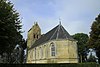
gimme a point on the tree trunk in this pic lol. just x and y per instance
(81, 58)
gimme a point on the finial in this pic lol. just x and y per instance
(59, 21)
(34, 23)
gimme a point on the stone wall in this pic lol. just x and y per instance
(66, 52)
(33, 34)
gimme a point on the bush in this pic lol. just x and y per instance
(52, 65)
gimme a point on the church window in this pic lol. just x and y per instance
(38, 53)
(46, 51)
(41, 52)
(37, 36)
(34, 35)
(53, 50)
(31, 55)
(35, 53)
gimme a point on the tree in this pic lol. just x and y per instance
(23, 46)
(82, 42)
(10, 28)
(18, 54)
(94, 40)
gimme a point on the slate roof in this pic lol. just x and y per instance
(57, 32)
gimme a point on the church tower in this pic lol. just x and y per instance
(33, 34)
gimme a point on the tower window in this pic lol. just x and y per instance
(34, 35)
(37, 36)
(53, 50)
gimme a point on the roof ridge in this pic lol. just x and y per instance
(53, 34)
(63, 31)
(58, 31)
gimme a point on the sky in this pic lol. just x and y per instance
(76, 16)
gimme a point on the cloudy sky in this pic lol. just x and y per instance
(76, 15)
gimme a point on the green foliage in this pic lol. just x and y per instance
(94, 40)
(53, 65)
(10, 27)
(82, 43)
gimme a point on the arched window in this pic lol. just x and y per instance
(34, 35)
(37, 36)
(41, 52)
(53, 49)
(35, 53)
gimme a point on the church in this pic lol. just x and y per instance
(55, 46)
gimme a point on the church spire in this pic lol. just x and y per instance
(59, 21)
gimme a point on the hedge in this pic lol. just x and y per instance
(52, 65)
